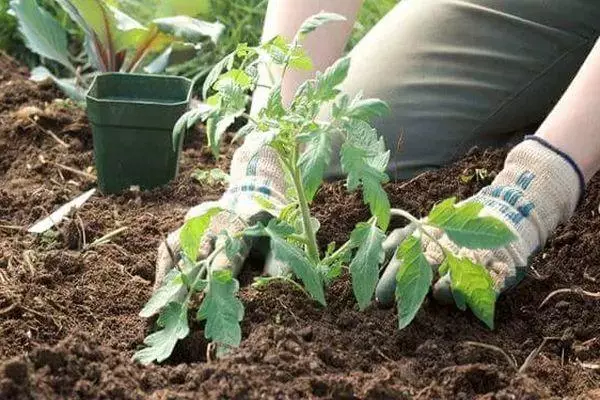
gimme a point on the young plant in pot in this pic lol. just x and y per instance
(303, 144)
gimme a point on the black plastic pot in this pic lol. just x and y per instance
(132, 118)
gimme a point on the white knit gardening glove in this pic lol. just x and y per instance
(252, 173)
(538, 188)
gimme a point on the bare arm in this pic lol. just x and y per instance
(574, 124)
(324, 45)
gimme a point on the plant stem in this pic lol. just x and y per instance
(311, 239)
(418, 224)
(299, 238)
(270, 279)
(250, 118)
(346, 246)
(260, 85)
(204, 270)
(199, 276)
(401, 213)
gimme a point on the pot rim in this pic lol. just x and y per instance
(146, 76)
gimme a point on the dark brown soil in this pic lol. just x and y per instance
(68, 316)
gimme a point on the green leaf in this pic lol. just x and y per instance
(314, 160)
(210, 176)
(365, 109)
(100, 25)
(362, 135)
(355, 163)
(67, 85)
(292, 256)
(189, 29)
(256, 230)
(464, 227)
(334, 271)
(364, 267)
(218, 175)
(214, 74)
(333, 76)
(42, 33)
(186, 121)
(193, 231)
(281, 52)
(274, 108)
(160, 344)
(168, 292)
(229, 103)
(299, 59)
(298, 224)
(279, 228)
(167, 8)
(238, 76)
(260, 282)
(215, 128)
(413, 280)
(472, 285)
(276, 227)
(201, 284)
(243, 50)
(214, 102)
(222, 311)
(459, 300)
(160, 63)
(268, 204)
(232, 246)
(317, 20)
(365, 159)
(123, 21)
(277, 49)
(233, 98)
(94, 56)
(340, 106)
(244, 131)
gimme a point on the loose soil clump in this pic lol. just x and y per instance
(68, 309)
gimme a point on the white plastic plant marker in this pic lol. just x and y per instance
(57, 216)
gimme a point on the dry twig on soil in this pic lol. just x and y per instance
(511, 361)
(106, 238)
(578, 291)
(535, 353)
(75, 171)
(50, 133)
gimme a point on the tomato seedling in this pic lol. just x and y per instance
(471, 283)
(303, 143)
(210, 177)
(220, 307)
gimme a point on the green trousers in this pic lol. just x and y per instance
(460, 73)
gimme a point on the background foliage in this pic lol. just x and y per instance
(243, 20)
(12, 43)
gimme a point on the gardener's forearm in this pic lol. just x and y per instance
(574, 124)
(324, 46)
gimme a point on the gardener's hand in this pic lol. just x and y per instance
(505, 268)
(537, 189)
(254, 172)
(225, 221)
(169, 250)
